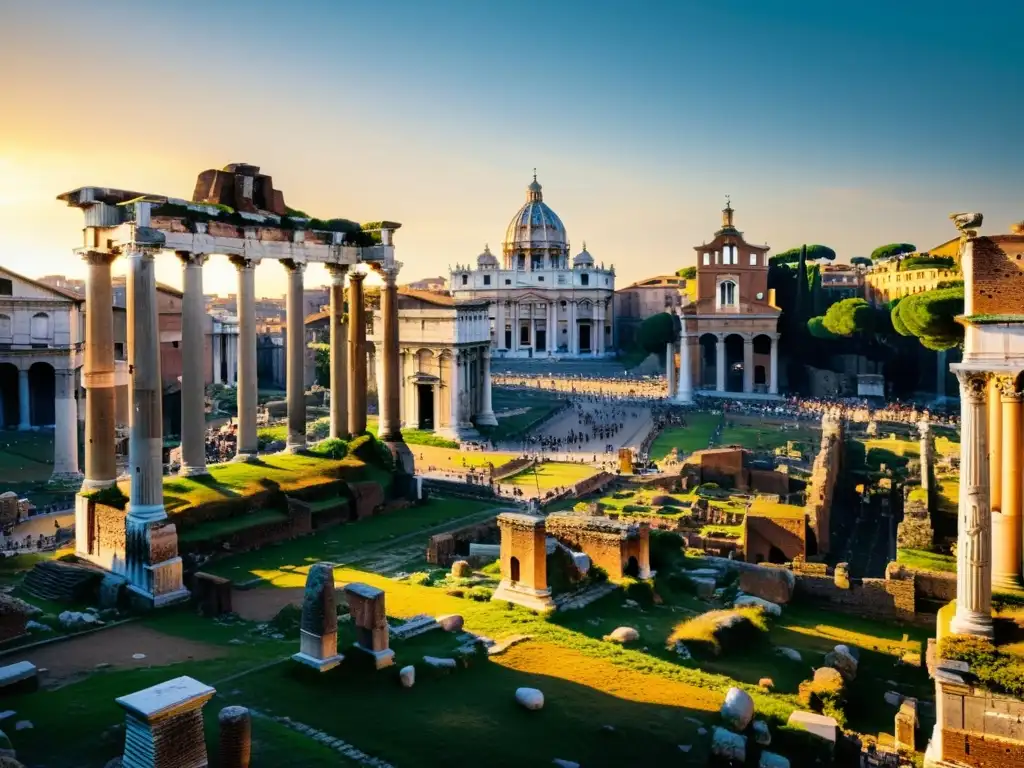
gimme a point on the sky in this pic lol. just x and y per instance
(849, 123)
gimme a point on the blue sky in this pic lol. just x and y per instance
(850, 124)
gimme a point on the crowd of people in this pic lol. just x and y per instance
(814, 409)
(644, 388)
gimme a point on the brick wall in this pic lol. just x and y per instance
(769, 481)
(884, 599)
(820, 490)
(996, 266)
(935, 586)
(760, 534)
(978, 728)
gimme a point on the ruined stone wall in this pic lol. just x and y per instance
(769, 481)
(444, 548)
(821, 488)
(884, 599)
(527, 545)
(915, 530)
(510, 468)
(592, 484)
(604, 549)
(979, 728)
(997, 275)
(761, 534)
(724, 467)
(935, 586)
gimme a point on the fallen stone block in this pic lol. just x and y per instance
(728, 746)
(773, 584)
(772, 609)
(622, 635)
(408, 676)
(824, 727)
(530, 698)
(738, 709)
(21, 677)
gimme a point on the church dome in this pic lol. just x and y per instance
(583, 258)
(535, 225)
(487, 259)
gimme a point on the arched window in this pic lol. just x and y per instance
(727, 294)
(513, 569)
(40, 328)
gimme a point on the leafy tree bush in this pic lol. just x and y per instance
(814, 253)
(333, 447)
(996, 669)
(816, 326)
(930, 316)
(641, 591)
(687, 273)
(892, 249)
(655, 332)
(927, 261)
(849, 316)
(665, 547)
(860, 261)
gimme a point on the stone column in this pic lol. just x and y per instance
(995, 446)
(454, 385)
(1006, 525)
(390, 424)
(65, 435)
(572, 329)
(24, 402)
(152, 565)
(193, 379)
(235, 738)
(296, 343)
(217, 341)
(685, 394)
(486, 415)
(499, 324)
(248, 386)
(164, 725)
(748, 365)
(356, 354)
(233, 360)
(927, 456)
(974, 537)
(773, 374)
(670, 368)
(720, 363)
(338, 352)
(515, 327)
(600, 327)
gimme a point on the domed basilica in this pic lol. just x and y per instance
(540, 304)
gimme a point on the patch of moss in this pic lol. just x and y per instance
(999, 671)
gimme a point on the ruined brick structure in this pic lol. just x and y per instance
(445, 548)
(104, 535)
(821, 488)
(615, 545)
(915, 529)
(242, 187)
(731, 468)
(524, 566)
(774, 539)
(893, 597)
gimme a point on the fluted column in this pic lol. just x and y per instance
(974, 534)
(338, 352)
(748, 365)
(773, 375)
(65, 433)
(193, 380)
(145, 442)
(98, 374)
(453, 392)
(24, 402)
(390, 424)
(248, 386)
(356, 354)
(685, 394)
(296, 343)
(670, 368)
(1006, 524)
(232, 344)
(720, 363)
(995, 446)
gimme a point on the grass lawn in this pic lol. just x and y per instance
(427, 456)
(551, 474)
(693, 437)
(766, 437)
(773, 509)
(229, 525)
(900, 446)
(926, 561)
(336, 544)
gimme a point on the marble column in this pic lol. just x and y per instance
(685, 393)
(720, 363)
(927, 455)
(338, 352)
(388, 395)
(773, 373)
(233, 359)
(499, 324)
(995, 446)
(98, 374)
(486, 415)
(193, 378)
(245, 343)
(65, 434)
(454, 385)
(296, 360)
(974, 532)
(599, 330)
(217, 342)
(356, 354)
(515, 327)
(1006, 525)
(573, 349)
(748, 365)
(24, 402)
(670, 368)
(551, 340)
(533, 330)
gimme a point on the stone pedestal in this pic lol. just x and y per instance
(235, 737)
(524, 579)
(974, 537)
(164, 725)
(152, 564)
(296, 349)
(318, 634)
(356, 354)
(366, 604)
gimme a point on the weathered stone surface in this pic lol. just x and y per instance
(762, 735)
(76, 620)
(439, 663)
(318, 633)
(366, 606)
(451, 623)
(530, 698)
(773, 584)
(408, 676)
(790, 653)
(235, 737)
(772, 609)
(906, 725)
(841, 576)
(728, 746)
(737, 709)
(825, 728)
(166, 722)
(622, 635)
(772, 760)
(842, 659)
(22, 675)
(461, 569)
(703, 586)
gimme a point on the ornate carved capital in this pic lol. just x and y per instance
(98, 258)
(337, 272)
(973, 385)
(189, 259)
(1009, 387)
(294, 266)
(243, 263)
(387, 271)
(356, 276)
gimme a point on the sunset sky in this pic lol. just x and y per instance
(851, 124)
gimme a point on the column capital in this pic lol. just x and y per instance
(243, 263)
(142, 251)
(97, 258)
(337, 272)
(1009, 387)
(356, 276)
(973, 385)
(294, 266)
(189, 259)
(387, 271)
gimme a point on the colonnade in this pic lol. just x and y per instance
(680, 381)
(989, 538)
(524, 312)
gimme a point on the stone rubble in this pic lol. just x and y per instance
(408, 676)
(338, 745)
(737, 709)
(622, 635)
(530, 698)
(728, 746)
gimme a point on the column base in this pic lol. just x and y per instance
(684, 397)
(88, 486)
(320, 665)
(187, 470)
(394, 436)
(971, 623)
(147, 600)
(487, 419)
(535, 599)
(295, 448)
(245, 458)
(381, 659)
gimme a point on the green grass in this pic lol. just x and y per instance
(227, 526)
(766, 438)
(540, 405)
(551, 475)
(926, 561)
(338, 543)
(693, 437)
(918, 494)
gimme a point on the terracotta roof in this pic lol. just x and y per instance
(430, 297)
(65, 292)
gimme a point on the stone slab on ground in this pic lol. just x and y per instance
(416, 625)
(22, 675)
(823, 727)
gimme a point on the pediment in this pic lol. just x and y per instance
(26, 288)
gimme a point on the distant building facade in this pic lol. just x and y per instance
(635, 303)
(434, 284)
(887, 280)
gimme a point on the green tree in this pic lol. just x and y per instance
(323, 364)
(849, 316)
(801, 307)
(687, 273)
(892, 249)
(814, 252)
(817, 329)
(815, 291)
(860, 261)
(655, 332)
(931, 317)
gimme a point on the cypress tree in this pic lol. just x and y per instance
(801, 307)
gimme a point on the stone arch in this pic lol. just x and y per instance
(40, 328)
(424, 360)
(8, 395)
(734, 362)
(42, 383)
(632, 567)
(513, 569)
(708, 360)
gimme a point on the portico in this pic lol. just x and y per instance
(139, 228)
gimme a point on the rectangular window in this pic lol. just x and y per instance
(753, 259)
(508, 281)
(540, 278)
(707, 259)
(487, 279)
(465, 279)
(6, 287)
(718, 258)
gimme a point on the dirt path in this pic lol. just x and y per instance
(263, 604)
(72, 660)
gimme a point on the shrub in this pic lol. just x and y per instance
(492, 569)
(111, 497)
(709, 490)
(997, 670)
(665, 548)
(480, 594)
(641, 591)
(563, 576)
(287, 621)
(420, 579)
(635, 508)
(717, 632)
(597, 574)
(332, 447)
(825, 693)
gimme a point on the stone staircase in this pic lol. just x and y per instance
(62, 582)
